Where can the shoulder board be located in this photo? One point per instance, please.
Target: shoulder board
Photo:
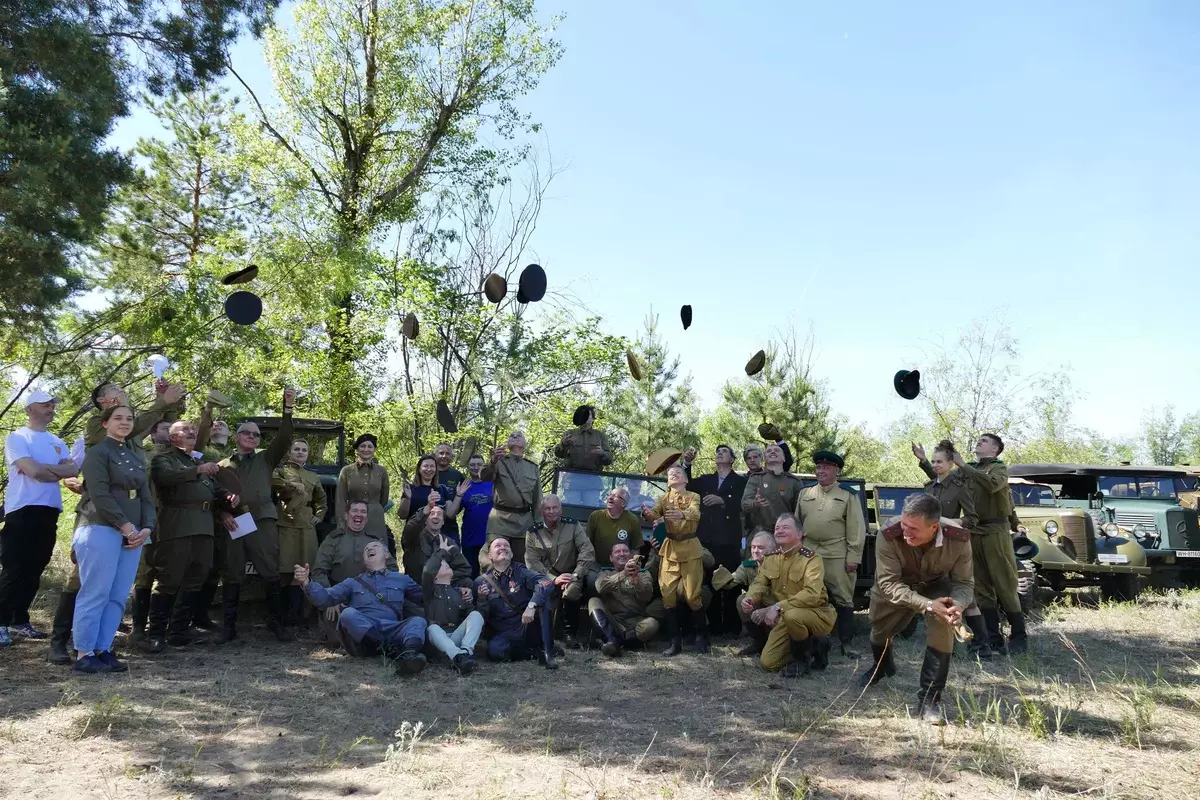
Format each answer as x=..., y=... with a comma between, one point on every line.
x=892, y=531
x=848, y=487
x=804, y=551
x=750, y=564
x=956, y=533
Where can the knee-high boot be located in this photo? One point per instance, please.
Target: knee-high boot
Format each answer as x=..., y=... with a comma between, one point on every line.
x=979, y=646
x=140, y=612
x=882, y=667
x=700, y=623
x=995, y=639
x=60, y=633
x=934, y=671
x=160, y=615
x=845, y=630
x=203, y=604
x=547, y=621
x=603, y=626
x=671, y=623
x=275, y=612
x=230, y=595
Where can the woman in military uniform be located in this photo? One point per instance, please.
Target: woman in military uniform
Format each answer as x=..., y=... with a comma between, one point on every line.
x=301, y=505
x=365, y=479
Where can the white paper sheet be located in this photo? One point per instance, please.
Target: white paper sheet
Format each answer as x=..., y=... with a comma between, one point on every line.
x=245, y=525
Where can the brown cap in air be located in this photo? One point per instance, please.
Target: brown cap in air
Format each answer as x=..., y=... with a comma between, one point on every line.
x=244, y=275
x=658, y=461
x=495, y=288
x=635, y=368
x=411, y=326
x=756, y=363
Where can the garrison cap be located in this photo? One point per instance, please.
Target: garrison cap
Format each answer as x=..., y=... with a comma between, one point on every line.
x=495, y=288
x=756, y=363
x=446, y=418
x=531, y=286
x=658, y=461
x=635, y=368
x=685, y=316
x=244, y=275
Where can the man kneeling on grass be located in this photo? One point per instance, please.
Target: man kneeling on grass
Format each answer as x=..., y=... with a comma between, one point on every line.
x=373, y=615
x=454, y=626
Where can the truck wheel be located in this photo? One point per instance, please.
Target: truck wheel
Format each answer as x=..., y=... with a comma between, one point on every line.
x=1119, y=588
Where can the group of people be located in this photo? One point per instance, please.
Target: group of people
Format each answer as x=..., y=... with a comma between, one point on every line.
x=726, y=552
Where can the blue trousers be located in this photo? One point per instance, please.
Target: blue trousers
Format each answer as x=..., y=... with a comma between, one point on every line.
x=522, y=641
x=389, y=634
x=106, y=572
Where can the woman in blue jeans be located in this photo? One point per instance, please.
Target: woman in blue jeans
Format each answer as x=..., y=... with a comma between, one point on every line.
x=115, y=517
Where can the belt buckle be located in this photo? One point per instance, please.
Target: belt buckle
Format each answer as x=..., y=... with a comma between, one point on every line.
x=205, y=505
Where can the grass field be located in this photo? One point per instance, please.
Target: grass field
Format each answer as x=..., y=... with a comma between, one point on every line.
x=1108, y=707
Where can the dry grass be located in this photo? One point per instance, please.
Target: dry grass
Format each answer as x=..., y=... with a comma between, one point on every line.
x=1107, y=708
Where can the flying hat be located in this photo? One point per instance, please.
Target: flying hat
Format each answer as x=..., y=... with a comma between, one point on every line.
x=243, y=307
x=658, y=461
x=411, y=326
x=167, y=313
x=466, y=450
x=828, y=456
x=635, y=369
x=582, y=413
x=227, y=478
x=907, y=383
x=219, y=400
x=770, y=431
x=38, y=396
x=495, y=287
x=721, y=578
x=685, y=315
x=244, y=275
x=446, y=418
x=1023, y=547
x=531, y=284
x=756, y=363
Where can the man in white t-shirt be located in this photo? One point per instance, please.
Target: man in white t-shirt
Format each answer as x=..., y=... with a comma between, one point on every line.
x=37, y=461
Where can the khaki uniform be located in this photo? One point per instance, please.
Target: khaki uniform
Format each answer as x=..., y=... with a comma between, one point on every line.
x=579, y=455
x=744, y=577
x=796, y=582
x=835, y=530
x=708, y=562
x=364, y=481
x=147, y=572
x=188, y=503
x=261, y=547
x=908, y=578
x=954, y=493
x=299, y=512
x=565, y=549
x=781, y=493
x=626, y=602
x=991, y=538
x=681, y=571
x=516, y=501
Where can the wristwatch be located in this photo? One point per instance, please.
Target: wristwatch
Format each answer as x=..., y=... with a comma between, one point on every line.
x=929, y=607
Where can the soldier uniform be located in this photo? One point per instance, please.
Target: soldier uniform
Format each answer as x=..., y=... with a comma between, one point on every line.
x=620, y=610
x=375, y=615
x=743, y=578
x=340, y=557
x=795, y=582
x=835, y=529
x=366, y=481
x=780, y=490
x=578, y=455
x=995, y=564
x=566, y=549
x=299, y=512
x=502, y=598
x=907, y=581
x=603, y=532
x=516, y=500
x=681, y=571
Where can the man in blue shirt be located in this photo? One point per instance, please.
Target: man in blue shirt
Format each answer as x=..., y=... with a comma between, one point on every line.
x=476, y=505
x=373, y=617
x=511, y=596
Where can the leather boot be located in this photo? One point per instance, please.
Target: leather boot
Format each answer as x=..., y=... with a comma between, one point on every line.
x=801, y=658
x=934, y=671
x=883, y=666
x=600, y=621
x=845, y=630
x=570, y=623
x=547, y=622
x=671, y=624
x=178, y=633
x=979, y=647
x=140, y=613
x=230, y=595
x=1018, y=640
x=275, y=612
x=160, y=615
x=60, y=633
x=700, y=624
x=995, y=639
x=758, y=640
x=821, y=648
x=293, y=597
x=204, y=601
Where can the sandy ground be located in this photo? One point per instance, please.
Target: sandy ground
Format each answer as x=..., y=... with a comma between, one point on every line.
x=1108, y=707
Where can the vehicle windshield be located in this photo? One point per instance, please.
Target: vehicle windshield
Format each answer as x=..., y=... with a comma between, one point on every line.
x=322, y=445
x=1037, y=494
x=590, y=489
x=889, y=501
x=1153, y=487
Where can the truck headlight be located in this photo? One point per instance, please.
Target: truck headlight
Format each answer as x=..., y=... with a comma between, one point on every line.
x=1139, y=532
x=1112, y=529
x=1050, y=527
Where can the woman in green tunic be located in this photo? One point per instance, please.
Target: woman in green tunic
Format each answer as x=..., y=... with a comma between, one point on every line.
x=365, y=479
x=301, y=505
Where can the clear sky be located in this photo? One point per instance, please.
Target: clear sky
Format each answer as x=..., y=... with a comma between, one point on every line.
x=882, y=173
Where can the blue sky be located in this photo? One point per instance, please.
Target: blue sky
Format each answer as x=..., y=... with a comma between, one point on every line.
x=884, y=174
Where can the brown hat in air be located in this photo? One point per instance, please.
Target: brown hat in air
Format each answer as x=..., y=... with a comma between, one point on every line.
x=446, y=417
x=658, y=461
x=756, y=363
x=495, y=288
x=244, y=275
x=770, y=432
x=635, y=368
x=468, y=448
x=411, y=326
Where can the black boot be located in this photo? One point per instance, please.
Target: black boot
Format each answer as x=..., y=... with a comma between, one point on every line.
x=410, y=663
x=934, y=671
x=547, y=622
x=60, y=633
x=160, y=615
x=293, y=598
x=979, y=647
x=275, y=612
x=204, y=601
x=671, y=623
x=230, y=595
x=995, y=639
x=821, y=648
x=883, y=666
x=178, y=633
x=1018, y=640
x=600, y=621
x=758, y=640
x=700, y=624
x=801, y=657
x=845, y=630
x=140, y=613
x=570, y=610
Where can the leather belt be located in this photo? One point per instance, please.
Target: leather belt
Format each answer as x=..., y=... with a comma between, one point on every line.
x=993, y=521
x=205, y=506
x=682, y=537
x=513, y=509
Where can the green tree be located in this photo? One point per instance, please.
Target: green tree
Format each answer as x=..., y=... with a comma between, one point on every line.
x=1163, y=436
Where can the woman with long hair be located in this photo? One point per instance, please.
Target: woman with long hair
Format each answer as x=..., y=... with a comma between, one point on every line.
x=367, y=480
x=425, y=492
x=115, y=518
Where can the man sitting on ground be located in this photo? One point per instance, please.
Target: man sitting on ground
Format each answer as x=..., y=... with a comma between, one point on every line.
x=373, y=616
x=454, y=624
x=422, y=537
x=761, y=546
x=510, y=596
x=619, y=612
x=562, y=552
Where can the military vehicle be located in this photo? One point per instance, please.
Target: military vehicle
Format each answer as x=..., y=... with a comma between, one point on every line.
x=326, y=455
x=1145, y=501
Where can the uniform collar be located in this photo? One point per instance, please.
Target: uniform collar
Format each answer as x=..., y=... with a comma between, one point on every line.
x=379, y=573
x=290, y=463
x=940, y=539
x=360, y=463
x=828, y=488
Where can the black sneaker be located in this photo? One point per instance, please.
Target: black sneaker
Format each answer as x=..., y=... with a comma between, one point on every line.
x=464, y=664
x=91, y=665
x=114, y=665
x=410, y=664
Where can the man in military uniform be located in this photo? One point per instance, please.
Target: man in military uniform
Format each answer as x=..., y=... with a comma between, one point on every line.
x=189, y=498
x=340, y=557
x=762, y=544
x=261, y=547
x=212, y=439
x=770, y=493
x=835, y=529
x=720, y=528
x=613, y=524
x=374, y=615
x=619, y=611
x=788, y=597
x=143, y=581
x=922, y=566
x=995, y=564
x=562, y=552
x=516, y=494
x=584, y=448
x=681, y=572
x=510, y=596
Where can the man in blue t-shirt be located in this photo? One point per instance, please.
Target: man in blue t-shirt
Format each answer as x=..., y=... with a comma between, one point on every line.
x=476, y=505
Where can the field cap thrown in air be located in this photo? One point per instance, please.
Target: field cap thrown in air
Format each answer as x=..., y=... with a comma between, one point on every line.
x=635, y=368
x=907, y=383
x=685, y=315
x=658, y=461
x=531, y=286
x=446, y=418
x=770, y=432
x=411, y=326
x=244, y=275
x=495, y=288
x=756, y=363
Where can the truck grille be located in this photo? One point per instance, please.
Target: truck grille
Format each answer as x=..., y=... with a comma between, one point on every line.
x=1075, y=529
x=1128, y=519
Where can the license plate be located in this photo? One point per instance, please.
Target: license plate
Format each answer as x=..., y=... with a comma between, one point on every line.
x=1112, y=558
x=1187, y=553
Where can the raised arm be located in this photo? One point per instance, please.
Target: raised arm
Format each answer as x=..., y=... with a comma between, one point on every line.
x=993, y=477
x=333, y=596
x=279, y=446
